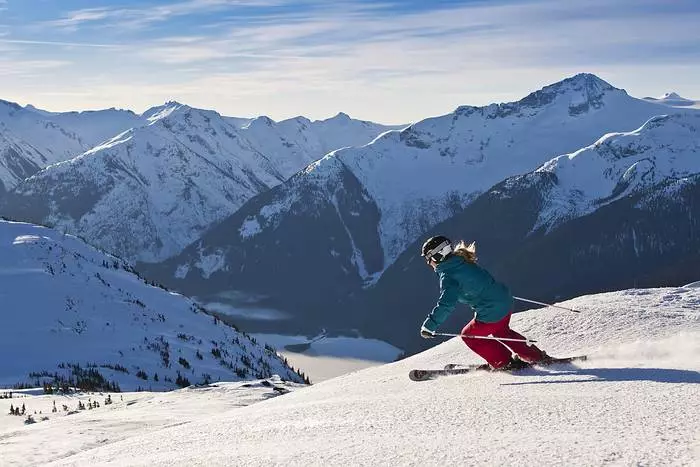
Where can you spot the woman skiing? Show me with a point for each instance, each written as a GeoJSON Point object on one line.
{"type": "Point", "coordinates": [463, 280]}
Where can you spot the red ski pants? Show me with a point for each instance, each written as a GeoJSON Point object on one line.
{"type": "Point", "coordinates": [498, 353]}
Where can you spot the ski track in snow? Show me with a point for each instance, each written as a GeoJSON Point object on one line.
{"type": "Point", "coordinates": [633, 403]}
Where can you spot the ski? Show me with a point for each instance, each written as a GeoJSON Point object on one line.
{"type": "Point", "coordinates": [424, 375]}
{"type": "Point", "coordinates": [453, 366]}
{"type": "Point", "coordinates": [457, 369]}
{"type": "Point", "coordinates": [549, 361]}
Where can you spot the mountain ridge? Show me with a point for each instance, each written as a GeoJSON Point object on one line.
{"type": "Point", "coordinates": [75, 311]}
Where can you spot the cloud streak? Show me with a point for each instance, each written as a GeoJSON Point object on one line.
{"type": "Point", "coordinates": [58, 43]}
{"type": "Point", "coordinates": [142, 17]}
{"type": "Point", "coordinates": [396, 61]}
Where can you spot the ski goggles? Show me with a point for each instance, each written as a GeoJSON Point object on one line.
{"type": "Point", "coordinates": [442, 249]}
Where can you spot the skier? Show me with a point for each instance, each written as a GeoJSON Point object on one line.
{"type": "Point", "coordinates": [463, 280]}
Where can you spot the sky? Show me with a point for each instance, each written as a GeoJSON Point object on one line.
{"type": "Point", "coordinates": [390, 61]}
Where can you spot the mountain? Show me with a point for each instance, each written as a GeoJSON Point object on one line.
{"type": "Point", "coordinates": [629, 404]}
{"type": "Point", "coordinates": [334, 228]}
{"type": "Point", "coordinates": [73, 313]}
{"type": "Point", "coordinates": [150, 191]}
{"type": "Point", "coordinates": [32, 139]}
{"type": "Point", "coordinates": [620, 213]}
{"type": "Point", "coordinates": [674, 100]}
{"type": "Point", "coordinates": [93, 126]}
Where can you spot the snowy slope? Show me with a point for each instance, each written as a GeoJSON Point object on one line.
{"type": "Point", "coordinates": [672, 99]}
{"type": "Point", "coordinates": [127, 415]}
{"type": "Point", "coordinates": [66, 303]}
{"type": "Point", "coordinates": [150, 191]}
{"type": "Point", "coordinates": [620, 164]}
{"type": "Point", "coordinates": [630, 404]}
{"type": "Point", "coordinates": [31, 139]}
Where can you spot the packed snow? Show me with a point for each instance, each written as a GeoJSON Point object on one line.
{"type": "Point", "coordinates": [115, 416]}
{"type": "Point", "coordinates": [634, 402]}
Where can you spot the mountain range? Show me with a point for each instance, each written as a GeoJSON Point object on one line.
{"type": "Point", "coordinates": [321, 221]}
{"type": "Point", "coordinates": [151, 190]}
{"type": "Point", "coordinates": [318, 245]}
{"type": "Point", "coordinates": [32, 139]}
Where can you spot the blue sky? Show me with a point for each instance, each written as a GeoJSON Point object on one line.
{"type": "Point", "coordinates": [388, 61]}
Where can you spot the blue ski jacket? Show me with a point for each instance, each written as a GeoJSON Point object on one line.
{"type": "Point", "coordinates": [469, 283]}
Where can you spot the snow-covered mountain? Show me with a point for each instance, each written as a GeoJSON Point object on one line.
{"type": "Point", "coordinates": [93, 126]}
{"type": "Point", "coordinates": [674, 100]}
{"type": "Point", "coordinates": [295, 143]}
{"type": "Point", "coordinates": [343, 220]}
{"type": "Point", "coordinates": [631, 403]}
{"type": "Point", "coordinates": [71, 312]}
{"type": "Point", "coordinates": [618, 165]}
{"type": "Point", "coordinates": [31, 139]}
{"type": "Point", "coordinates": [148, 192]}
{"type": "Point", "coordinates": [622, 212]}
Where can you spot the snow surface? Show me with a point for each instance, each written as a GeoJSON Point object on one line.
{"type": "Point", "coordinates": [128, 415]}
{"type": "Point", "coordinates": [64, 302]}
{"type": "Point", "coordinates": [635, 402]}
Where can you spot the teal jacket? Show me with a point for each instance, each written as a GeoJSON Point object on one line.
{"type": "Point", "coordinates": [465, 282]}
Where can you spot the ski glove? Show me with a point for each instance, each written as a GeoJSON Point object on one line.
{"type": "Point", "coordinates": [426, 333]}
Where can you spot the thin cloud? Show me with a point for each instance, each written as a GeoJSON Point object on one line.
{"type": "Point", "coordinates": [140, 17]}
{"type": "Point", "coordinates": [58, 43]}
{"type": "Point", "coordinates": [27, 67]}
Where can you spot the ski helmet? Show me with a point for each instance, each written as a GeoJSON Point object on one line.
{"type": "Point", "coordinates": [436, 248]}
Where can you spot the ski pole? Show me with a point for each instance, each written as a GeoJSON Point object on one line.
{"type": "Point", "coordinates": [546, 304]}
{"type": "Point", "coordinates": [507, 339]}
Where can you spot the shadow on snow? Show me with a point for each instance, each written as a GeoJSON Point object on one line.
{"type": "Point", "coordinates": [657, 375]}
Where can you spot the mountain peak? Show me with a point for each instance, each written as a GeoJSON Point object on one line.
{"type": "Point", "coordinates": [588, 83]}
{"type": "Point", "coordinates": [157, 113]}
{"type": "Point", "coordinates": [11, 105]}
{"type": "Point", "coordinates": [339, 117]}
{"type": "Point", "coordinates": [584, 91]}
{"type": "Point", "coordinates": [262, 120]}
{"type": "Point", "coordinates": [588, 79]}
{"type": "Point", "coordinates": [673, 99]}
